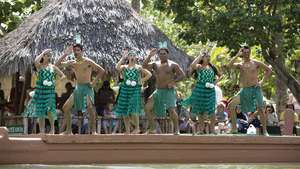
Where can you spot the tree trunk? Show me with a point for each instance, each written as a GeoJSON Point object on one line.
{"type": "Point", "coordinates": [274, 56]}
{"type": "Point", "coordinates": [282, 73]}
{"type": "Point", "coordinates": [281, 96]}
{"type": "Point", "coordinates": [135, 4]}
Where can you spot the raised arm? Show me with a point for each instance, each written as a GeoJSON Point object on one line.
{"type": "Point", "coordinates": [232, 63]}
{"type": "Point", "coordinates": [147, 63]}
{"type": "Point", "coordinates": [67, 52]}
{"type": "Point", "coordinates": [37, 60]}
{"type": "Point", "coordinates": [119, 65]}
{"type": "Point", "coordinates": [195, 63]}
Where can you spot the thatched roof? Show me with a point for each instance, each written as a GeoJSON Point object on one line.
{"type": "Point", "coordinates": [106, 27]}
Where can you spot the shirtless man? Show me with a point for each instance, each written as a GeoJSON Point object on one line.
{"type": "Point", "coordinates": [83, 94]}
{"type": "Point", "coordinates": [250, 96]}
{"type": "Point", "coordinates": [163, 99]}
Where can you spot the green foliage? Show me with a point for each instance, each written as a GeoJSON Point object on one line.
{"type": "Point", "coordinates": [12, 12]}
{"type": "Point", "coordinates": [233, 22]}
{"type": "Point", "coordinates": [193, 45]}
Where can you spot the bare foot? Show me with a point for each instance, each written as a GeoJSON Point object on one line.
{"type": "Point", "coordinates": [94, 133]}
{"type": "Point", "coordinates": [66, 133]}
{"type": "Point", "coordinates": [200, 133]}
{"type": "Point", "coordinates": [136, 131]}
{"type": "Point", "coordinates": [176, 133]}
{"type": "Point", "coordinates": [150, 132]}
{"type": "Point", "coordinates": [52, 132]}
{"type": "Point", "coordinates": [40, 134]}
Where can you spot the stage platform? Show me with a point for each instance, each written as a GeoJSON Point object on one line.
{"type": "Point", "coordinates": [117, 149]}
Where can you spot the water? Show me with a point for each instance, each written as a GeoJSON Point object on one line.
{"type": "Point", "coordinates": [157, 166]}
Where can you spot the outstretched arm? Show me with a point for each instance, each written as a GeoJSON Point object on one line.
{"type": "Point", "coordinates": [119, 65]}
{"type": "Point", "coordinates": [37, 60]}
{"type": "Point", "coordinates": [195, 63]}
{"type": "Point", "coordinates": [60, 62]}
{"type": "Point", "coordinates": [147, 63]}
{"type": "Point", "coordinates": [232, 63]}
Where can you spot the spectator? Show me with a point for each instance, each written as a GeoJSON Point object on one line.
{"type": "Point", "coordinates": [272, 120]}
{"type": "Point", "coordinates": [272, 116]}
{"type": "Point", "coordinates": [253, 119]}
{"type": "Point", "coordinates": [292, 100]}
{"type": "Point", "coordinates": [64, 97]}
{"type": "Point", "coordinates": [110, 124]}
{"type": "Point", "coordinates": [28, 114]}
{"type": "Point", "coordinates": [288, 119]}
{"type": "Point", "coordinates": [104, 97]}
{"type": "Point", "coordinates": [242, 120]}
{"type": "Point", "coordinates": [222, 118]}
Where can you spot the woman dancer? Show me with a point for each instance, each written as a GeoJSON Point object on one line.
{"type": "Point", "coordinates": [129, 102]}
{"type": "Point", "coordinates": [203, 98]}
{"type": "Point", "coordinates": [44, 98]}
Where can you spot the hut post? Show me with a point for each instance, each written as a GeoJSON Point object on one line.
{"type": "Point", "coordinates": [26, 85]}
{"type": "Point", "coordinates": [14, 97]}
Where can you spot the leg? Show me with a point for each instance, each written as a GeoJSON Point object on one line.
{"type": "Point", "coordinates": [136, 119]}
{"type": "Point", "coordinates": [105, 126]}
{"type": "Point", "coordinates": [25, 123]}
{"type": "Point", "coordinates": [174, 118]}
{"type": "Point", "coordinates": [42, 125]}
{"type": "Point", "coordinates": [263, 120]}
{"type": "Point", "coordinates": [127, 124]}
{"type": "Point", "coordinates": [260, 107]}
{"type": "Point", "coordinates": [92, 115]}
{"type": "Point", "coordinates": [212, 119]}
{"type": "Point", "coordinates": [201, 120]}
{"type": "Point", "coordinates": [150, 116]}
{"type": "Point", "coordinates": [116, 127]}
{"type": "Point", "coordinates": [51, 120]}
{"type": "Point", "coordinates": [67, 114]}
{"type": "Point", "coordinates": [231, 108]}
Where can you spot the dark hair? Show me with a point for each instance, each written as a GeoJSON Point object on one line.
{"type": "Point", "coordinates": [290, 105]}
{"type": "Point", "coordinates": [106, 83]}
{"type": "Point", "coordinates": [77, 45]}
{"type": "Point", "coordinates": [68, 84]}
{"type": "Point", "coordinates": [42, 60]}
{"type": "Point", "coordinates": [163, 49]}
{"type": "Point", "coordinates": [246, 47]}
{"type": "Point", "coordinates": [271, 107]}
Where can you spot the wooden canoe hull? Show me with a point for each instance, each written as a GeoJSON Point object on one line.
{"type": "Point", "coordinates": [113, 149]}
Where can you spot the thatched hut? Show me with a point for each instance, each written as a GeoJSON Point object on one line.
{"type": "Point", "coordinates": [105, 27]}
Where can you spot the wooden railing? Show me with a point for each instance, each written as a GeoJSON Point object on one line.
{"type": "Point", "coordinates": [166, 126]}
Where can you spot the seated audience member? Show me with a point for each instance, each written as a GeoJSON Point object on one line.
{"type": "Point", "coordinates": [288, 120]}
{"type": "Point", "coordinates": [241, 119]}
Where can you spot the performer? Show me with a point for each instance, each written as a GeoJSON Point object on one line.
{"type": "Point", "coordinates": [203, 98]}
{"type": "Point", "coordinates": [250, 96]}
{"type": "Point", "coordinates": [83, 94]}
{"type": "Point", "coordinates": [163, 99]}
{"type": "Point", "coordinates": [129, 102]}
{"type": "Point", "coordinates": [43, 103]}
